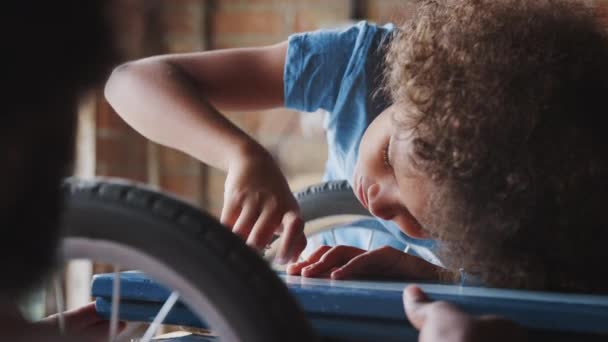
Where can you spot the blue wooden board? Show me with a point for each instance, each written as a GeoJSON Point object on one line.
{"type": "Point", "coordinates": [371, 308]}
{"type": "Point", "coordinates": [383, 300]}
{"type": "Point", "coordinates": [133, 286]}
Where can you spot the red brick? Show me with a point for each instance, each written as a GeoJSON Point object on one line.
{"type": "Point", "coordinates": [121, 150]}
{"type": "Point", "coordinates": [328, 4]}
{"type": "Point", "coordinates": [182, 44]}
{"type": "Point", "coordinates": [129, 22]}
{"type": "Point", "coordinates": [247, 5]}
{"type": "Point", "coordinates": [121, 154]}
{"type": "Point", "coordinates": [384, 11]}
{"type": "Point", "coordinates": [138, 174]}
{"type": "Point", "coordinates": [183, 17]}
{"type": "Point", "coordinates": [188, 187]}
{"type": "Point", "coordinates": [312, 19]}
{"type": "Point", "coordinates": [177, 24]}
{"type": "Point", "coordinates": [177, 163]}
{"type": "Point", "coordinates": [237, 41]}
{"type": "Point", "coordinates": [107, 117]}
{"type": "Point", "coordinates": [246, 22]}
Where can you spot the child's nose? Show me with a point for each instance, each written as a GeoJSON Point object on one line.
{"type": "Point", "coordinates": [381, 203]}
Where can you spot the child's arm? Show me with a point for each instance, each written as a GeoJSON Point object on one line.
{"type": "Point", "coordinates": [344, 262]}
{"type": "Point", "coordinates": [175, 100]}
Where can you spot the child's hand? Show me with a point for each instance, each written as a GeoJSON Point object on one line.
{"type": "Point", "coordinates": [83, 323]}
{"type": "Point", "coordinates": [258, 203]}
{"type": "Point", "coordinates": [441, 321]}
{"type": "Point", "coordinates": [342, 262]}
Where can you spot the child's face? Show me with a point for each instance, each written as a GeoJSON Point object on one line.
{"type": "Point", "coordinates": [381, 181]}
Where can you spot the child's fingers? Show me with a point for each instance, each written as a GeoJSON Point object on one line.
{"type": "Point", "coordinates": [298, 247]}
{"type": "Point", "coordinates": [293, 227]}
{"type": "Point", "coordinates": [295, 269]}
{"type": "Point", "coordinates": [245, 222]}
{"type": "Point", "coordinates": [375, 262]}
{"type": "Point", "coordinates": [357, 266]}
{"type": "Point", "coordinates": [416, 305]}
{"type": "Point", "coordinates": [262, 232]}
{"type": "Point", "coordinates": [335, 257]}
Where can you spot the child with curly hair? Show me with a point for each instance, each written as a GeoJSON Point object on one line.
{"type": "Point", "coordinates": [477, 123]}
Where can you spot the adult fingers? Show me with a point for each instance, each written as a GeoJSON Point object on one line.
{"type": "Point", "coordinates": [416, 305]}
{"type": "Point", "coordinates": [76, 319]}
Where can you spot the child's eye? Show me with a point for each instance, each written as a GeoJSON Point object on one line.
{"type": "Point", "coordinates": [387, 160]}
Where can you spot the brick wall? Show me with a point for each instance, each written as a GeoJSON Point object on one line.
{"type": "Point", "coordinates": [159, 26]}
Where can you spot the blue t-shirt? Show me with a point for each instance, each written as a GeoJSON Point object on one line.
{"type": "Point", "coordinates": [340, 71]}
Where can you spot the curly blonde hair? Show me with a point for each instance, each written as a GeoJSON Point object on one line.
{"type": "Point", "coordinates": [506, 100]}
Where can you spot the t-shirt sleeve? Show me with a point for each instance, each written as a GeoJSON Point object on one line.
{"type": "Point", "coordinates": [315, 64]}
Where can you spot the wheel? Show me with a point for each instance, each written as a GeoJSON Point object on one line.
{"type": "Point", "coordinates": [216, 275]}
{"type": "Point", "coordinates": [331, 212]}
{"type": "Point", "coordinates": [327, 199]}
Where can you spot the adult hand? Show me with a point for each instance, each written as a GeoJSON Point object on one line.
{"type": "Point", "coordinates": [441, 321]}
{"type": "Point", "coordinates": [82, 323]}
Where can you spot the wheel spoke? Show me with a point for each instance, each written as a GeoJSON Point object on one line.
{"type": "Point", "coordinates": [160, 317]}
{"type": "Point", "coordinates": [59, 302]}
{"type": "Point", "coordinates": [131, 330]}
{"type": "Point", "coordinates": [115, 304]}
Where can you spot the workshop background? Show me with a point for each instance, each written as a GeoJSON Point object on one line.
{"type": "Point", "coordinates": [108, 147]}
{"type": "Point", "coordinates": [148, 27]}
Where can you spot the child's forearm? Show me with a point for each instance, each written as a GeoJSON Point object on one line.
{"type": "Point", "coordinates": [162, 103]}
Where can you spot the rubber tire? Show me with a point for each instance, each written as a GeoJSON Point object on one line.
{"type": "Point", "coordinates": [328, 199]}
{"type": "Point", "coordinates": [240, 284]}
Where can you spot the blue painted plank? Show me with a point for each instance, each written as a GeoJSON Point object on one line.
{"type": "Point", "coordinates": [329, 302]}
{"type": "Point", "coordinates": [382, 300]}
{"type": "Point", "coordinates": [133, 286]}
